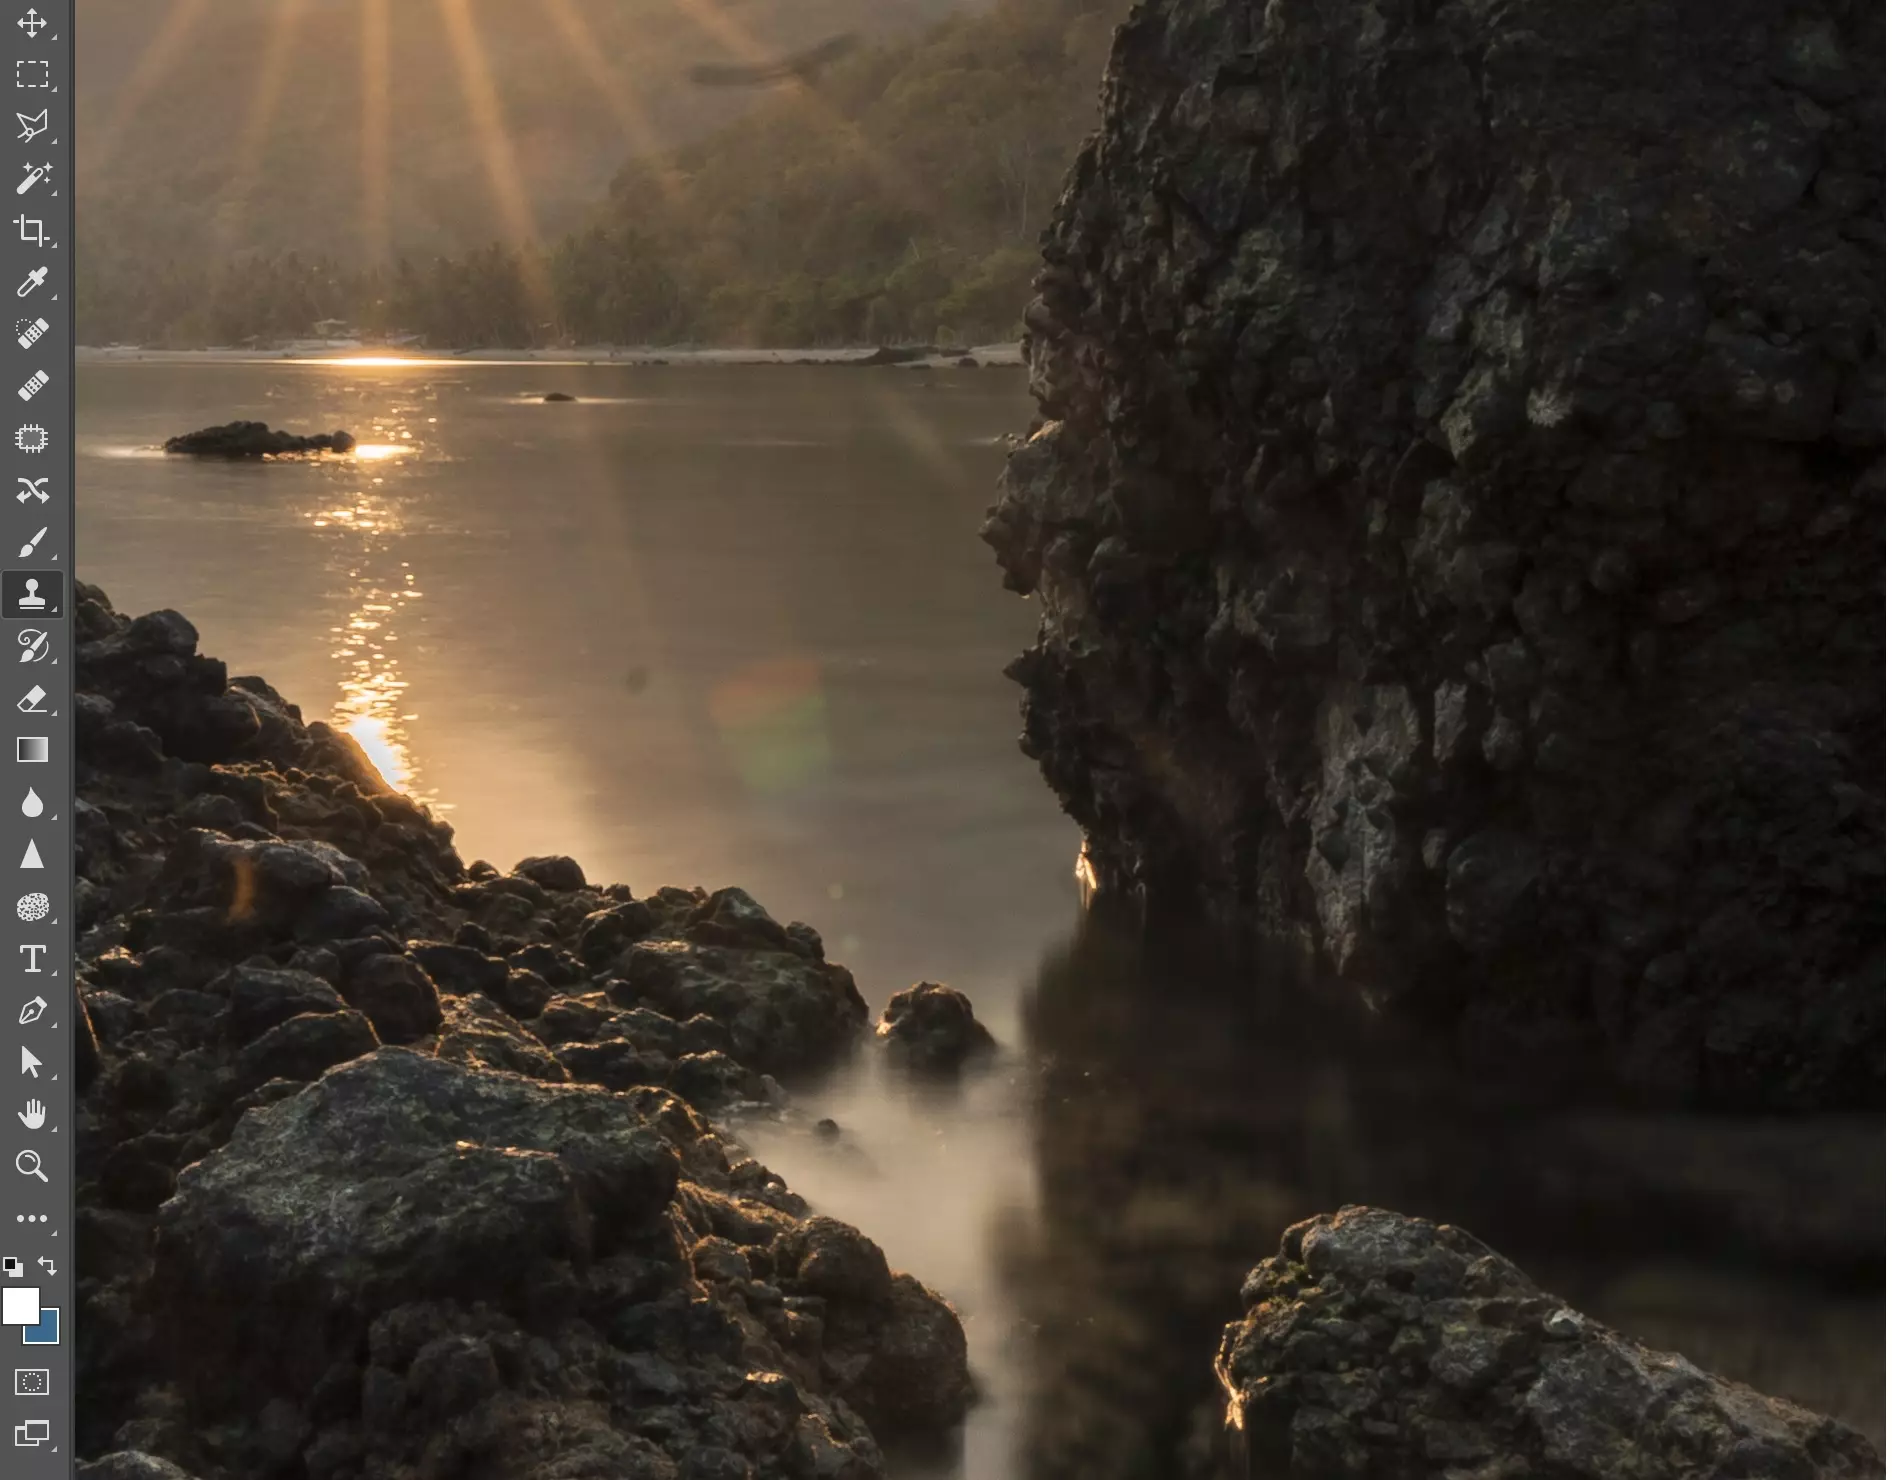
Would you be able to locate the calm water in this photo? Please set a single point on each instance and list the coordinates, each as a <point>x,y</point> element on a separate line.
<point>733,625</point>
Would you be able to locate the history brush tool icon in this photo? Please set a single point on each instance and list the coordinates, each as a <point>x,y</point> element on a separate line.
<point>34,384</point>
<point>34,646</point>
<point>34,280</point>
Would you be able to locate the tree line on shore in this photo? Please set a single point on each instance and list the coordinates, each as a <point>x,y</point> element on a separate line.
<point>897,199</point>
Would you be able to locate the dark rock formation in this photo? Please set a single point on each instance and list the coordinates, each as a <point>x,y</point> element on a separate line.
<point>256,439</point>
<point>1183,1117</point>
<point>1458,517</point>
<point>1381,1346</point>
<point>558,396</point>
<point>510,1245</point>
<point>931,1028</point>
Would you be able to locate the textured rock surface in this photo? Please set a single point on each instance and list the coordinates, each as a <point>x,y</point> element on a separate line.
<point>931,1028</point>
<point>1458,515</point>
<point>1381,1346</point>
<point>393,1166</point>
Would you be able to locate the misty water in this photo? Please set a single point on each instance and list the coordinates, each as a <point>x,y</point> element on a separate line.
<point>733,625</point>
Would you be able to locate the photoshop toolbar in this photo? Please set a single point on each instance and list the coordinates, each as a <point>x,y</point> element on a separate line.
<point>36,1112</point>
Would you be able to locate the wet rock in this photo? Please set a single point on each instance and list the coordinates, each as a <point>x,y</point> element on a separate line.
<point>260,999</point>
<point>395,994</point>
<point>1377,1344</point>
<point>1328,493</point>
<point>559,874</point>
<point>305,1045</point>
<point>783,1012</point>
<point>931,1027</point>
<point>244,439</point>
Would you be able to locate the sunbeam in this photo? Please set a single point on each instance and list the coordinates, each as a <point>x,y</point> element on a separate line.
<point>253,136</point>
<point>158,55</point>
<point>496,152</point>
<point>376,229</point>
<point>639,134</point>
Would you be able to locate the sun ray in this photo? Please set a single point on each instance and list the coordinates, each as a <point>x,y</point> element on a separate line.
<point>376,230</point>
<point>719,25</point>
<point>640,135</point>
<point>252,138</point>
<point>503,175</point>
<point>173,31</point>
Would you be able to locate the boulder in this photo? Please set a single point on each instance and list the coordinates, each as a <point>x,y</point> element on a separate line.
<point>1380,1345</point>
<point>1457,521</point>
<point>931,1028</point>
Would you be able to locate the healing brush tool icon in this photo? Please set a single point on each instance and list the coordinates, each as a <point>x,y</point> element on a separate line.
<point>29,333</point>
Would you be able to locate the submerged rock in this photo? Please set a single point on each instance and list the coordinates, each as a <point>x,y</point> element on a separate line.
<point>255,439</point>
<point>388,1164</point>
<point>1381,1345</point>
<point>932,1028</point>
<point>1458,523</point>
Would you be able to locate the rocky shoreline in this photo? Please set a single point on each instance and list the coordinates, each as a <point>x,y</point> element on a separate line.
<point>393,1166</point>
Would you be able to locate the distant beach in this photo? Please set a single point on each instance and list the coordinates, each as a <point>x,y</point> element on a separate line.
<point>349,351</point>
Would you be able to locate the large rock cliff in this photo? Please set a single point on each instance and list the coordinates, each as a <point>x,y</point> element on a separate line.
<point>1457,515</point>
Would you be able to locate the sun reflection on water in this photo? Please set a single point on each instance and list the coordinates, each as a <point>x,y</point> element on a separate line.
<point>364,525</point>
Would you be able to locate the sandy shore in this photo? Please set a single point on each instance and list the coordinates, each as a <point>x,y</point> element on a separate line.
<point>350,352</point>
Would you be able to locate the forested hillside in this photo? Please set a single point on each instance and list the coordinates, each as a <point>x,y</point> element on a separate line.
<point>897,196</point>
